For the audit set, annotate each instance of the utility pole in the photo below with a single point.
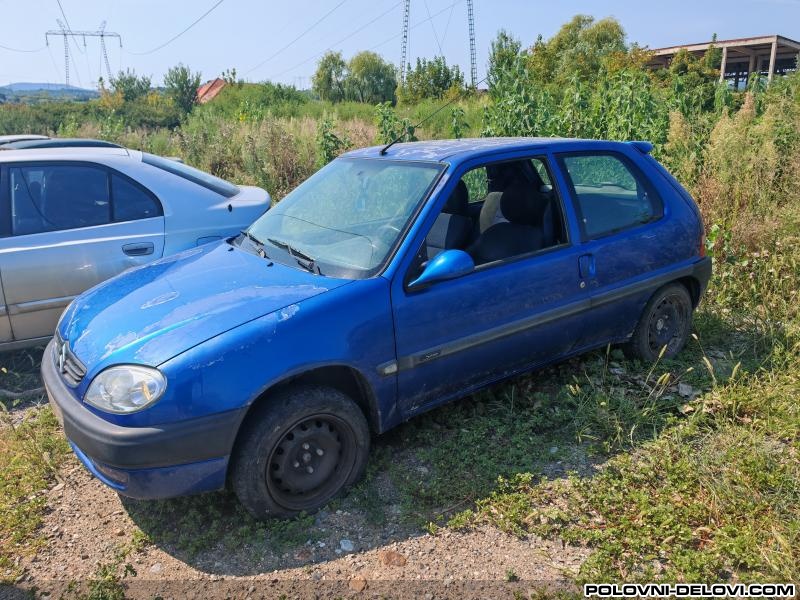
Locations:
(473, 54)
(404, 43)
(68, 33)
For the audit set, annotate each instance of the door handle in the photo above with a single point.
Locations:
(586, 266)
(139, 249)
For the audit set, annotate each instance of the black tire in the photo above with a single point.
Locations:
(666, 321)
(298, 450)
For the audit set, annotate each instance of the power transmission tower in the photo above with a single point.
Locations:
(473, 55)
(68, 33)
(404, 43)
(104, 49)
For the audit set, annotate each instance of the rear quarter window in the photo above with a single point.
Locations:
(610, 193)
(201, 178)
(131, 201)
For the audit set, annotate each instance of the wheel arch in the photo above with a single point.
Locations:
(344, 378)
(692, 286)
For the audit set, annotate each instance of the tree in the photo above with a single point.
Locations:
(329, 79)
(430, 79)
(130, 85)
(181, 86)
(370, 79)
(582, 46)
(504, 51)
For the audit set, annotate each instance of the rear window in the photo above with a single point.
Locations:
(215, 184)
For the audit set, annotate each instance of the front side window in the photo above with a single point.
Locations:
(610, 194)
(55, 197)
(348, 217)
(520, 213)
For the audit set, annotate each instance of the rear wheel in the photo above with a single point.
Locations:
(298, 451)
(665, 322)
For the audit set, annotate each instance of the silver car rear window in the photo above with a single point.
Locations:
(215, 184)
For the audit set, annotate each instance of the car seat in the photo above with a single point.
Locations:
(453, 226)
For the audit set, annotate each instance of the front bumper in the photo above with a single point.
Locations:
(161, 461)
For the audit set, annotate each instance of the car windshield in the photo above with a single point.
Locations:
(346, 219)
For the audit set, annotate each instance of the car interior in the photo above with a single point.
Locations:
(497, 212)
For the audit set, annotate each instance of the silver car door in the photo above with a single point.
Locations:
(5, 323)
(5, 229)
(73, 225)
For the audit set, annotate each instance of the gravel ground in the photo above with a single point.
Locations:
(343, 552)
(345, 557)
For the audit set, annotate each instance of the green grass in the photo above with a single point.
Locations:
(30, 454)
(705, 488)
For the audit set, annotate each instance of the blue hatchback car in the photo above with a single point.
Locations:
(388, 283)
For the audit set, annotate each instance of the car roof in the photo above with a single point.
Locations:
(56, 154)
(61, 143)
(462, 149)
(18, 137)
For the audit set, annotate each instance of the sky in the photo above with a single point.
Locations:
(281, 40)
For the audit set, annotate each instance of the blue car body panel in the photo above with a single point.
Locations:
(225, 326)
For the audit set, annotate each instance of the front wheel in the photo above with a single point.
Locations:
(299, 450)
(664, 325)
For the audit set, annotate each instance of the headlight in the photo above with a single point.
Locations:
(125, 389)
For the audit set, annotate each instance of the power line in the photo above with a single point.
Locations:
(69, 27)
(417, 24)
(322, 18)
(344, 39)
(383, 43)
(172, 39)
(433, 27)
(21, 49)
(447, 26)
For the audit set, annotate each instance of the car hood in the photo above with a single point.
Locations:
(149, 314)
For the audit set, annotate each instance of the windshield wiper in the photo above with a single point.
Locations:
(256, 242)
(304, 260)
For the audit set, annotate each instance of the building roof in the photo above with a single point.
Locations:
(755, 43)
(209, 90)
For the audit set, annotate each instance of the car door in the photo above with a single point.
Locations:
(627, 236)
(5, 223)
(5, 324)
(72, 225)
(505, 316)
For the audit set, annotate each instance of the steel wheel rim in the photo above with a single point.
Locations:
(667, 324)
(312, 460)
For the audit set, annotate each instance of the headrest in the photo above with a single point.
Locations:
(458, 202)
(520, 204)
(35, 189)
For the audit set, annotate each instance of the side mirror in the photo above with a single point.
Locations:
(450, 264)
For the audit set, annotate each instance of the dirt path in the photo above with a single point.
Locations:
(87, 524)
(368, 544)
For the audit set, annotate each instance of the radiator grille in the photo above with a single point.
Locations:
(71, 369)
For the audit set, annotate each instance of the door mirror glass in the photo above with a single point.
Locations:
(450, 264)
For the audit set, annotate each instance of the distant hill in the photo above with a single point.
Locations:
(26, 86)
(32, 92)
